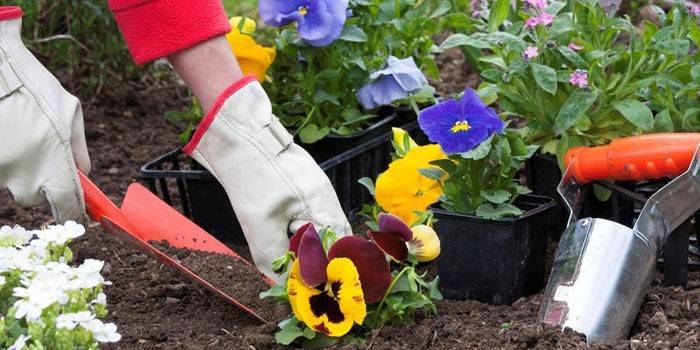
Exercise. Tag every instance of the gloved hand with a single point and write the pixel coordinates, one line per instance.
(274, 185)
(41, 129)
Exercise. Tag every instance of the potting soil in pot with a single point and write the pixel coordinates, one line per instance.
(230, 275)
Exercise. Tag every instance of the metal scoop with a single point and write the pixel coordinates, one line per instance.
(143, 217)
(602, 269)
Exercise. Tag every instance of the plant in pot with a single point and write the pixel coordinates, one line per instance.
(576, 74)
(494, 233)
(332, 75)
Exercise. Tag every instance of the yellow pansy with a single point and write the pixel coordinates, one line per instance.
(253, 58)
(425, 244)
(335, 309)
(248, 27)
(402, 190)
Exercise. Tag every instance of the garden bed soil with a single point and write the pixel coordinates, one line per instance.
(155, 308)
(230, 275)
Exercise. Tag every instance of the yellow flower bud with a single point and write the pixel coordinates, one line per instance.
(399, 137)
(425, 244)
(248, 28)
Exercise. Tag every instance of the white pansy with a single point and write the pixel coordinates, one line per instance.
(69, 321)
(102, 332)
(20, 343)
(60, 234)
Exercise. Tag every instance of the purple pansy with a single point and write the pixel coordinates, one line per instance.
(399, 79)
(460, 126)
(319, 22)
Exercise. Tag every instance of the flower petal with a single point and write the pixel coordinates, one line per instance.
(312, 258)
(390, 223)
(296, 238)
(390, 244)
(370, 262)
(279, 12)
(344, 281)
(425, 244)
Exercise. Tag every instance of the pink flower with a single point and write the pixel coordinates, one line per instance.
(540, 4)
(579, 78)
(575, 47)
(531, 52)
(693, 9)
(475, 6)
(544, 19)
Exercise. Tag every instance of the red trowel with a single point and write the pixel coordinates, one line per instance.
(143, 217)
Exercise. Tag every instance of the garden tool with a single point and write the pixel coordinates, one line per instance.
(602, 269)
(143, 217)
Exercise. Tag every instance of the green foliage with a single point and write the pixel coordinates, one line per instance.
(313, 89)
(482, 181)
(640, 81)
(78, 41)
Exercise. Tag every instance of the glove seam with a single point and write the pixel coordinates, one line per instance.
(273, 162)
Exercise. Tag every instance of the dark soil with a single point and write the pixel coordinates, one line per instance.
(155, 308)
(455, 73)
(240, 281)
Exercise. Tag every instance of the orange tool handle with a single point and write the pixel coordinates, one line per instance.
(634, 158)
(99, 206)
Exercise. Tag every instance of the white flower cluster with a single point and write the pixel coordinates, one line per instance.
(44, 301)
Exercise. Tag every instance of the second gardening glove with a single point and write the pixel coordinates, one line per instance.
(41, 129)
(273, 184)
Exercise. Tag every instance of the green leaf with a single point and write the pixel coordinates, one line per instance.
(368, 183)
(545, 77)
(446, 165)
(496, 196)
(636, 113)
(460, 39)
(694, 33)
(574, 108)
(353, 34)
(290, 331)
(492, 75)
(488, 211)
(312, 133)
(276, 291)
(442, 9)
(499, 13)
(461, 20)
(663, 122)
(572, 57)
(480, 152)
(432, 173)
(601, 193)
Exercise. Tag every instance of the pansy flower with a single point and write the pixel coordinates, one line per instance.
(319, 22)
(402, 190)
(397, 239)
(460, 126)
(329, 292)
(252, 58)
(398, 80)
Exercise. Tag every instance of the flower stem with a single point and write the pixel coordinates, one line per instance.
(391, 286)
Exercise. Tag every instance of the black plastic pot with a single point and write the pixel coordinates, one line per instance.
(494, 261)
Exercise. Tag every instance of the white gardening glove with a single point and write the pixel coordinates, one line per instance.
(41, 129)
(273, 184)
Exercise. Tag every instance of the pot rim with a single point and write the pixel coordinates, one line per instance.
(546, 203)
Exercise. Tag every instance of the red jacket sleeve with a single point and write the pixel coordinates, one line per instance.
(157, 28)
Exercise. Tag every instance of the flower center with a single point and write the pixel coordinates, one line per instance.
(325, 304)
(303, 10)
(460, 125)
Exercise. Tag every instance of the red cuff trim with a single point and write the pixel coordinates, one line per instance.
(211, 115)
(157, 28)
(10, 12)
